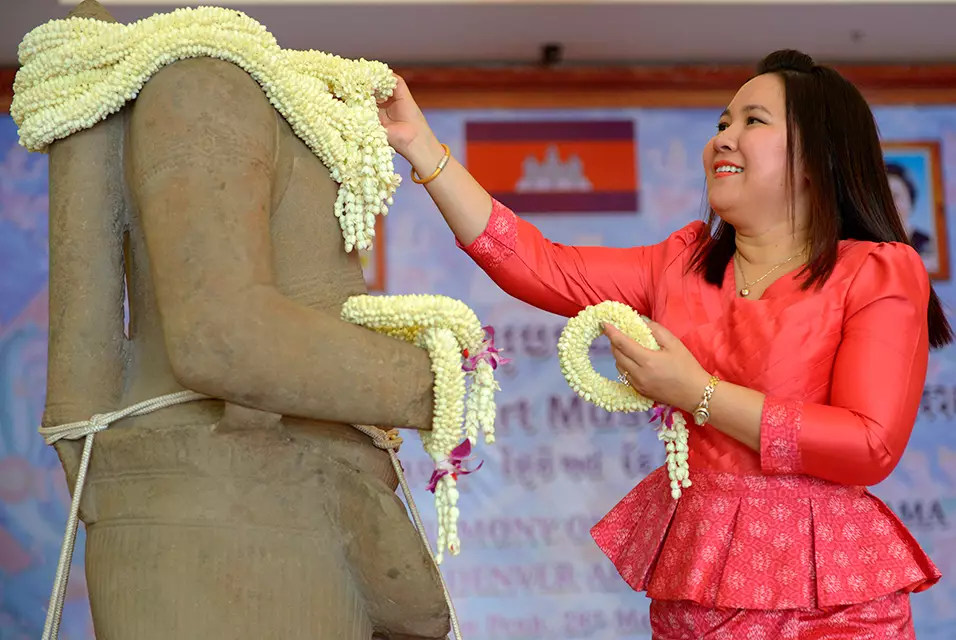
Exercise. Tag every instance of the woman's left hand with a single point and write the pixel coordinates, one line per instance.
(671, 376)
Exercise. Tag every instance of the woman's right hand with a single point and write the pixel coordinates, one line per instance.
(404, 122)
(463, 202)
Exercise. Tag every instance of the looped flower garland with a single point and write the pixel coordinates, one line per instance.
(461, 350)
(574, 358)
(77, 71)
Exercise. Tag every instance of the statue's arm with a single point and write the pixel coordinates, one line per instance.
(203, 142)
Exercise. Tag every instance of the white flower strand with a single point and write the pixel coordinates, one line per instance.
(447, 329)
(574, 358)
(449, 408)
(674, 438)
(446, 431)
(481, 402)
(77, 71)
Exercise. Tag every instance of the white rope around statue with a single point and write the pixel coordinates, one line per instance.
(88, 429)
(389, 441)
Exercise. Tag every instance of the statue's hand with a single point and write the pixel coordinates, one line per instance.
(403, 119)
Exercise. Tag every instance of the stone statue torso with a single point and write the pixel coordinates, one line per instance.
(281, 523)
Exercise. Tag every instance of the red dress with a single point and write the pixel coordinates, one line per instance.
(788, 535)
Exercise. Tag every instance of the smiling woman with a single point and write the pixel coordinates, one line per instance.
(803, 245)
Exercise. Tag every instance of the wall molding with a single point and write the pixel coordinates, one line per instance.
(621, 86)
(676, 86)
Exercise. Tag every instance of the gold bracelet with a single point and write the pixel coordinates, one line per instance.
(702, 412)
(441, 165)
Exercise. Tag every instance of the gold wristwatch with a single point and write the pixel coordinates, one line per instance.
(702, 412)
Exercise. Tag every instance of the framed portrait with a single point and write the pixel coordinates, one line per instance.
(373, 260)
(916, 179)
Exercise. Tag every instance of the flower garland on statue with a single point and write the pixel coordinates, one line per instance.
(77, 71)
(460, 349)
(573, 356)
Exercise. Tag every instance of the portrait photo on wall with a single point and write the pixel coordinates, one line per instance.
(916, 180)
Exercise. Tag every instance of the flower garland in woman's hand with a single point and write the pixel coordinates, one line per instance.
(669, 375)
(657, 373)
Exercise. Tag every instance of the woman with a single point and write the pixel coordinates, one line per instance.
(798, 327)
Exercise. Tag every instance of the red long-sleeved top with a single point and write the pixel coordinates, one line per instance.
(842, 368)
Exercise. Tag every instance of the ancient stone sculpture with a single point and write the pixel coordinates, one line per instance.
(264, 515)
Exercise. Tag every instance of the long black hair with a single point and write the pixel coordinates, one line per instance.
(850, 196)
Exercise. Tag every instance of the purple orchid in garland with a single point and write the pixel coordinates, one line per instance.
(453, 465)
(488, 352)
(664, 413)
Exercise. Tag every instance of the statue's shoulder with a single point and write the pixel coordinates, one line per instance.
(206, 84)
(206, 106)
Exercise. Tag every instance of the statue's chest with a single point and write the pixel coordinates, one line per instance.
(309, 257)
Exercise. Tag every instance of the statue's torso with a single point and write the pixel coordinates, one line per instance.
(236, 507)
(310, 268)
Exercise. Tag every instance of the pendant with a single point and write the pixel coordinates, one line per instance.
(745, 292)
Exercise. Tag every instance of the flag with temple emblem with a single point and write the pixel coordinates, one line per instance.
(581, 166)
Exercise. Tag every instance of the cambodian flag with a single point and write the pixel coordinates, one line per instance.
(581, 166)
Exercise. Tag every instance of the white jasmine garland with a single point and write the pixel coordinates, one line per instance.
(77, 71)
(574, 358)
(452, 335)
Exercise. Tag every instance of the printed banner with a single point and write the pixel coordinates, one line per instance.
(528, 569)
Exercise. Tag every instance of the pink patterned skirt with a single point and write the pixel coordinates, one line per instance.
(761, 543)
(886, 618)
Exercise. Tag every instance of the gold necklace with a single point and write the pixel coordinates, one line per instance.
(746, 289)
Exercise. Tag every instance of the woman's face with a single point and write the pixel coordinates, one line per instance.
(746, 160)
